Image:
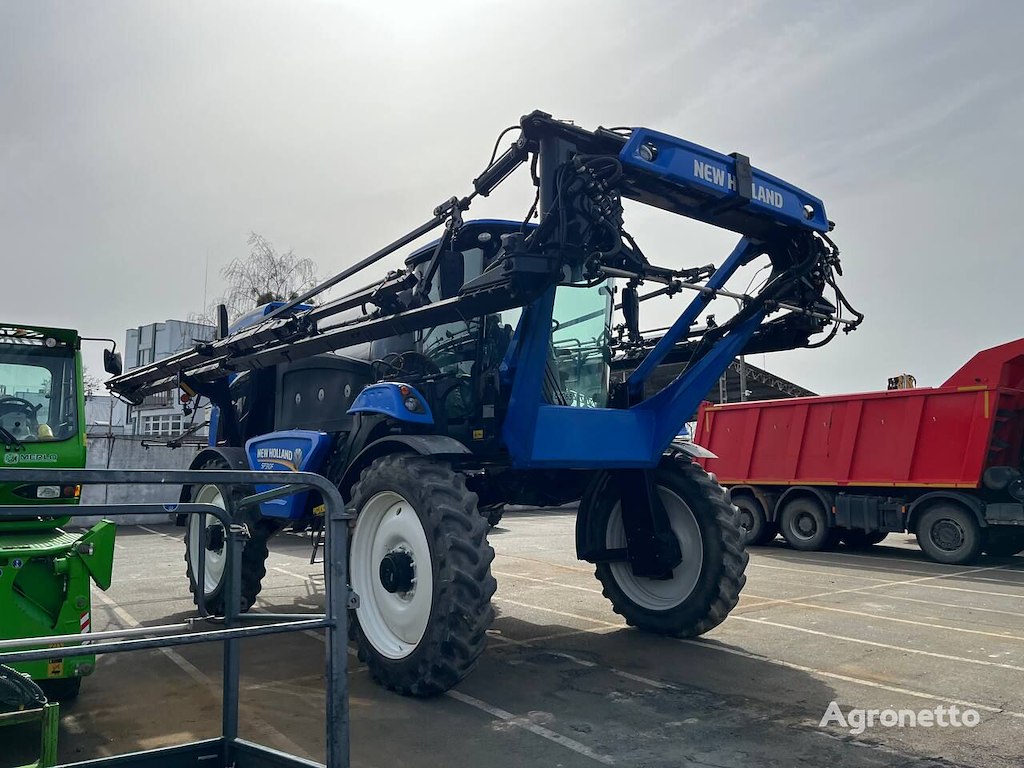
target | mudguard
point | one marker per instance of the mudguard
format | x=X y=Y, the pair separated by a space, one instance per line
x=424 y=445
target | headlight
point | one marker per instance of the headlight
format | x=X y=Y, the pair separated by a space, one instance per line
x=48 y=492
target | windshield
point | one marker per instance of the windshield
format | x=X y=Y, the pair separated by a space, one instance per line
x=38 y=396
x=580 y=339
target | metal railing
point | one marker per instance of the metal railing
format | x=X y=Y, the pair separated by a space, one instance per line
x=229 y=749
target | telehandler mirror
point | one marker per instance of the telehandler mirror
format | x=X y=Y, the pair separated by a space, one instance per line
x=112 y=362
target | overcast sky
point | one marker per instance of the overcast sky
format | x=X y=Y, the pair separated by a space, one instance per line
x=141 y=140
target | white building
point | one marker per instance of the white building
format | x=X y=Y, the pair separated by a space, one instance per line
x=161 y=415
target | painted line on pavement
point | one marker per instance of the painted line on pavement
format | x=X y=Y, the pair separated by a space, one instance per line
x=197 y=675
x=802 y=604
x=799 y=667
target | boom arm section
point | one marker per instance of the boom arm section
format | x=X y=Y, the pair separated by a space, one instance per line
x=581 y=178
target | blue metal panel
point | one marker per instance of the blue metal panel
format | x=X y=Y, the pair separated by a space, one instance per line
x=586 y=438
x=389 y=398
x=533 y=347
x=294 y=450
x=213 y=426
x=711 y=173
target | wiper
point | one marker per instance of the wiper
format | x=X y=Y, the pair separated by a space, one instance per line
x=9 y=438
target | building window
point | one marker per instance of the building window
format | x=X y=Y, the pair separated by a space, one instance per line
x=144 y=357
x=165 y=425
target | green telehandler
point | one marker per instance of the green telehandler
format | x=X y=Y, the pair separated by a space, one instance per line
x=46 y=571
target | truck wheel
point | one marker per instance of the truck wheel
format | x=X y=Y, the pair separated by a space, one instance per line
x=753 y=521
x=254 y=552
x=421 y=566
x=805 y=525
x=949 y=534
x=857 y=539
x=706 y=585
x=1004 y=540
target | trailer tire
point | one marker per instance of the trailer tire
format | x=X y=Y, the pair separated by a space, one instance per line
x=757 y=529
x=416 y=641
x=1004 y=540
x=694 y=600
x=949 y=534
x=804 y=525
x=858 y=539
x=254 y=550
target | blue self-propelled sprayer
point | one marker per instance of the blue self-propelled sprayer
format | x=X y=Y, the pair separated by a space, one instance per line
x=480 y=375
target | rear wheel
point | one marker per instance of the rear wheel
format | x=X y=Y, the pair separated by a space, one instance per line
x=857 y=539
x=705 y=586
x=1004 y=540
x=420 y=564
x=949 y=534
x=805 y=525
x=753 y=520
x=212 y=548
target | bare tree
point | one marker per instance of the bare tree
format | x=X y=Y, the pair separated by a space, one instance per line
x=90 y=383
x=264 y=275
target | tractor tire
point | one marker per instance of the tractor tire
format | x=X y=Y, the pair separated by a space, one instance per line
x=421 y=565
x=706 y=585
x=254 y=551
x=949 y=534
x=1004 y=540
x=63 y=690
x=858 y=539
x=757 y=529
x=804 y=525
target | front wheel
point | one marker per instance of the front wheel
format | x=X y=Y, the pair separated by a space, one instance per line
x=706 y=585
x=421 y=566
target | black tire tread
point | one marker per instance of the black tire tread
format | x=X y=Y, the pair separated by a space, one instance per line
x=732 y=576
x=463 y=582
x=254 y=552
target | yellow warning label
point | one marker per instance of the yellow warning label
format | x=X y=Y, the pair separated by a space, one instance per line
x=55 y=668
x=319 y=510
x=478 y=434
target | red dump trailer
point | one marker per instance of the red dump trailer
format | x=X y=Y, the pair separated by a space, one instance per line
x=944 y=463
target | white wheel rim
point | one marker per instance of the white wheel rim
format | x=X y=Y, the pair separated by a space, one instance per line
x=658 y=594
x=213 y=567
x=393 y=623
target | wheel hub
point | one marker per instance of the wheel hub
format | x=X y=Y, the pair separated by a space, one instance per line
x=746 y=520
x=397 y=571
x=947 y=535
x=806 y=525
x=215 y=538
